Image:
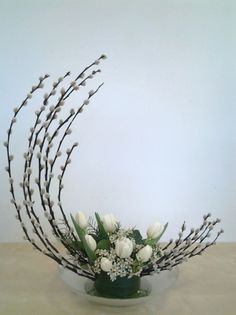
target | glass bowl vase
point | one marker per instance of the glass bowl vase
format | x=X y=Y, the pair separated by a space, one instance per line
x=151 y=287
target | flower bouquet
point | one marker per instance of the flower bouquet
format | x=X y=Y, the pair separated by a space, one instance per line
x=102 y=251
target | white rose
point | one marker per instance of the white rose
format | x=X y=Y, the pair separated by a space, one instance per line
x=109 y=222
x=81 y=220
x=144 y=254
x=124 y=247
x=91 y=242
x=106 y=264
x=154 y=230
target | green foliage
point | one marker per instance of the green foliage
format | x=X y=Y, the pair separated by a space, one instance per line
x=137 y=236
x=102 y=234
x=77 y=245
x=81 y=233
x=104 y=244
x=92 y=228
x=136 y=266
x=150 y=242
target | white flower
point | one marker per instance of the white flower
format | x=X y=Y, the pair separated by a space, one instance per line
x=106 y=264
x=124 y=247
x=109 y=222
x=81 y=220
x=144 y=254
x=154 y=230
x=91 y=242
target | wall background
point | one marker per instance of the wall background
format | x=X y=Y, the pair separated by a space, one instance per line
x=159 y=140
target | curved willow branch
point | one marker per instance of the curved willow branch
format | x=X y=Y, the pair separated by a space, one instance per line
x=183 y=248
x=41 y=138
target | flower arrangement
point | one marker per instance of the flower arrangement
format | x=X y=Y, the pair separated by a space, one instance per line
x=113 y=257
x=114 y=252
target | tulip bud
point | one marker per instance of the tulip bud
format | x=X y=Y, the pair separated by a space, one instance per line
x=109 y=222
x=154 y=230
x=106 y=264
x=144 y=254
x=124 y=247
x=81 y=220
x=91 y=242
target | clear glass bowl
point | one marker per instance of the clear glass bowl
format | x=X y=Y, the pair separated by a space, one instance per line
x=151 y=287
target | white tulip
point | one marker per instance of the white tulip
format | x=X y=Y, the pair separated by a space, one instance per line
x=109 y=222
x=124 y=247
x=154 y=230
x=144 y=254
x=106 y=264
x=91 y=242
x=81 y=219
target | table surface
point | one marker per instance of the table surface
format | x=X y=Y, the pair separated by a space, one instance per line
x=30 y=285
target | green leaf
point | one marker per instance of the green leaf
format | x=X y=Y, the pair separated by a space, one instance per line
x=81 y=233
x=136 y=266
x=78 y=229
x=104 y=244
x=150 y=242
x=137 y=236
x=77 y=245
x=102 y=234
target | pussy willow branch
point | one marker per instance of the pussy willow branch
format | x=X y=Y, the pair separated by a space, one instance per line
x=198 y=235
x=51 y=219
x=27 y=190
x=69 y=119
x=52 y=161
x=49 y=120
x=81 y=75
x=49 y=201
x=188 y=243
x=10 y=158
x=185 y=248
x=7 y=144
x=53 y=112
x=27 y=174
x=69 y=152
